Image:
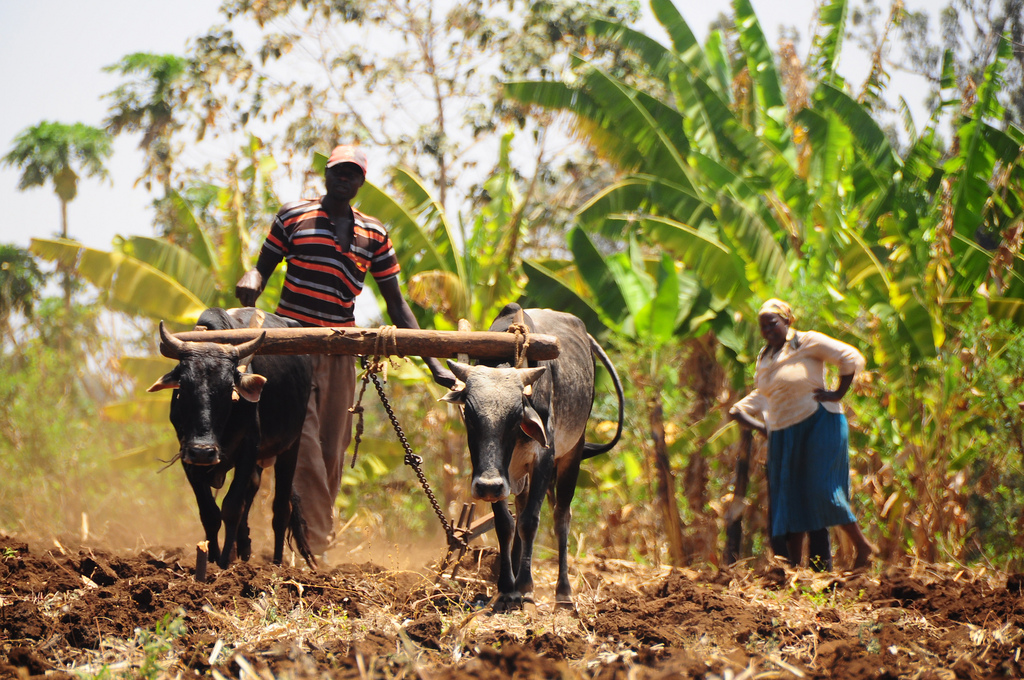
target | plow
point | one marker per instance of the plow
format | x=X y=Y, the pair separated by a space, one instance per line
x=375 y=346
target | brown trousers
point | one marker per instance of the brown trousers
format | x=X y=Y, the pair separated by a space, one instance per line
x=325 y=436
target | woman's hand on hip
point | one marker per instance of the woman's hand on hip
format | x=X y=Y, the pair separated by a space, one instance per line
x=827 y=395
x=821 y=394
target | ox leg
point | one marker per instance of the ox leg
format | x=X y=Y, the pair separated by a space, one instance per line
x=209 y=513
x=504 y=527
x=233 y=509
x=284 y=476
x=528 y=520
x=566 y=475
x=244 y=540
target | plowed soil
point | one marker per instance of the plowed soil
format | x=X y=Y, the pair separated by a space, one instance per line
x=142 y=614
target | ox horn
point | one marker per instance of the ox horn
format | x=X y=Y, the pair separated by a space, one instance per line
x=250 y=347
x=170 y=346
x=460 y=370
x=255 y=322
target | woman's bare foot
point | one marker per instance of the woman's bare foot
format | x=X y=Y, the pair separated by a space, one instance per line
x=865 y=548
x=864 y=556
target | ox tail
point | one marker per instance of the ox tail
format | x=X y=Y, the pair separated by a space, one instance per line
x=299 y=536
x=591 y=450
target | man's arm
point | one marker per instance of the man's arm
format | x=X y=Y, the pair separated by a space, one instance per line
x=401 y=315
x=249 y=287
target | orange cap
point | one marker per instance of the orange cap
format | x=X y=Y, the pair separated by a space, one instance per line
x=346 y=153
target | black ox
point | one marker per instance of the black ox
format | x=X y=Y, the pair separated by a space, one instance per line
x=226 y=418
x=526 y=430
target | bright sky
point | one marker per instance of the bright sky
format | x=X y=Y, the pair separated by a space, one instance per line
x=52 y=53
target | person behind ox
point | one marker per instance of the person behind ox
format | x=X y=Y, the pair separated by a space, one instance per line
x=808 y=436
x=329 y=247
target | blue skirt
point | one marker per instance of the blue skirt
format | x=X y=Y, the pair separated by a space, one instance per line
x=809 y=474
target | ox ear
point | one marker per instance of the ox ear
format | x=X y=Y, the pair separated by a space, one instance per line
x=168 y=382
x=457 y=395
x=532 y=424
x=250 y=386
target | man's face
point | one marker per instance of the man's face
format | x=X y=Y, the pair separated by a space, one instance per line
x=773 y=328
x=343 y=181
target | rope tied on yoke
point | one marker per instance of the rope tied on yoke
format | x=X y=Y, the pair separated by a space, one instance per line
x=377 y=362
x=522 y=332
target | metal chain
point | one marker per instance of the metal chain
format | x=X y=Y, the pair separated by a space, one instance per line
x=414 y=461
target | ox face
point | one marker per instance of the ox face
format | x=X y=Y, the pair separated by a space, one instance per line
x=499 y=416
x=208 y=385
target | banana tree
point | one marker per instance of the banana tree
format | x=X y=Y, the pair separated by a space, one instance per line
x=175 y=280
x=760 y=192
x=446 y=279
x=650 y=305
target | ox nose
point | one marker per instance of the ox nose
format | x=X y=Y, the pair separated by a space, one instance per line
x=201 y=454
x=490 y=488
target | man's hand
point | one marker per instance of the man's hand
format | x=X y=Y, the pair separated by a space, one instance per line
x=249 y=287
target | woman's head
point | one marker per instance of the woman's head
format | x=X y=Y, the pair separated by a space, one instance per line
x=774 y=319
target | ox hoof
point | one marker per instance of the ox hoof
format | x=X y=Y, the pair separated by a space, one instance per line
x=512 y=602
x=565 y=605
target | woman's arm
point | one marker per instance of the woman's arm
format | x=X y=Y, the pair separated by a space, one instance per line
x=838 y=393
x=746 y=420
x=749 y=412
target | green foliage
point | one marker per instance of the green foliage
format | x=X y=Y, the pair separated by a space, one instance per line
x=156 y=644
x=806 y=198
x=55 y=445
x=968 y=38
x=21 y=283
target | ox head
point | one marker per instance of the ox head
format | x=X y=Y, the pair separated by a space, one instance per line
x=208 y=380
x=496 y=403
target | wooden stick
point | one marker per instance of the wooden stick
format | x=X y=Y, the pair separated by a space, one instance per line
x=202 y=556
x=363 y=342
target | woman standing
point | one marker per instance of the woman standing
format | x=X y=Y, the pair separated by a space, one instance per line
x=808 y=437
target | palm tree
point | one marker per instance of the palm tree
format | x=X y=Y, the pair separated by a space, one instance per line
x=156 y=90
x=50 y=152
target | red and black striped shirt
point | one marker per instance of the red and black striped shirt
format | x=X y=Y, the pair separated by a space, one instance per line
x=323 y=280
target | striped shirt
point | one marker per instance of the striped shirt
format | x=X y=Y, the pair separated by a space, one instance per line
x=323 y=279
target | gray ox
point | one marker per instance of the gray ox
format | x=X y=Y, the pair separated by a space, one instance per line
x=526 y=430
x=226 y=418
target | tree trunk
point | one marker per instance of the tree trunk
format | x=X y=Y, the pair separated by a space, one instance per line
x=705 y=375
x=666 y=484
x=734 y=513
x=65 y=277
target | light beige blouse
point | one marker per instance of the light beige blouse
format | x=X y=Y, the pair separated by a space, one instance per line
x=785 y=382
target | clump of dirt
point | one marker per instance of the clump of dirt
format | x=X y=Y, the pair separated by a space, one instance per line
x=65 y=612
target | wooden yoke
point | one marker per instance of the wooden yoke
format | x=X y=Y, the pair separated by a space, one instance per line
x=363 y=342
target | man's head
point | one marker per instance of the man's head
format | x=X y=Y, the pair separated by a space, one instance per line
x=346 y=153
x=345 y=172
